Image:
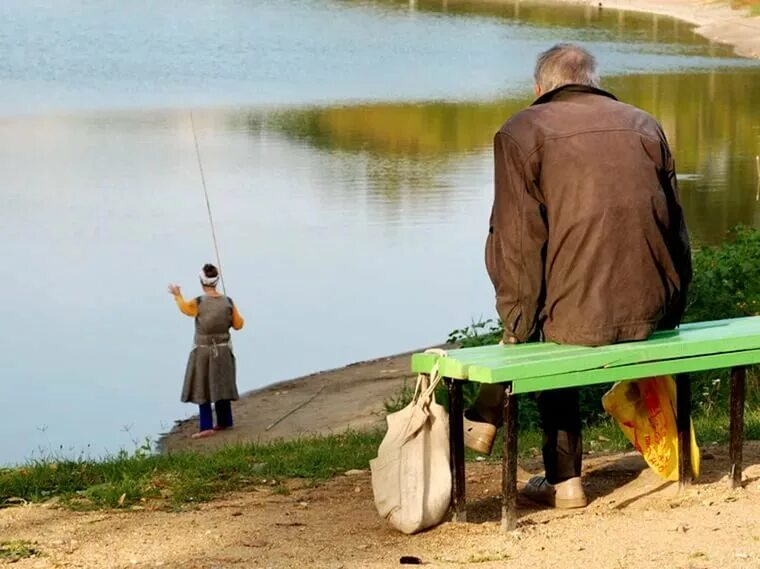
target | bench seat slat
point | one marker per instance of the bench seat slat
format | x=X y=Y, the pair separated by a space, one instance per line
x=637 y=371
x=492 y=364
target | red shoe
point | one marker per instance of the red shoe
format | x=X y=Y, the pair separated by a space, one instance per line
x=221 y=428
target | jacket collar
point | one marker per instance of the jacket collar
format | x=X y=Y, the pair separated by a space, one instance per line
x=568 y=91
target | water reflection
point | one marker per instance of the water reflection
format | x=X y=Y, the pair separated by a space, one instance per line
x=402 y=149
x=588 y=22
x=712 y=121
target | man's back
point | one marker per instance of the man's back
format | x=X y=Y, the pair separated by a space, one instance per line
x=588 y=242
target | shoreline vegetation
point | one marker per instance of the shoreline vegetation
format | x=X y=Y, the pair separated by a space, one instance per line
x=726 y=284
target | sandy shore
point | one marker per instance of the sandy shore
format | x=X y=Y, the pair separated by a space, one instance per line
x=716 y=21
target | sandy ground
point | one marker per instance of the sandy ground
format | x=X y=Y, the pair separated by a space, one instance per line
x=714 y=20
x=634 y=521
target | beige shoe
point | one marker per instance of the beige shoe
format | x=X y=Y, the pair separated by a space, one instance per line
x=479 y=436
x=563 y=495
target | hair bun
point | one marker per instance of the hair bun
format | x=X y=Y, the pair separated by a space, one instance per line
x=210 y=271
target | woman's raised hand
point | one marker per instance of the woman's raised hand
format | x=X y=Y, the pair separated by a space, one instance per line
x=174 y=290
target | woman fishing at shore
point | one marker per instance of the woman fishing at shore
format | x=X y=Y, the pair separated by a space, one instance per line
x=210 y=373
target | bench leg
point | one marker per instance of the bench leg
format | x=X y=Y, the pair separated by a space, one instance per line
x=509 y=463
x=737 y=426
x=456 y=446
x=683 y=422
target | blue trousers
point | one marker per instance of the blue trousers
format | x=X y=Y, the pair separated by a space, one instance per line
x=223 y=415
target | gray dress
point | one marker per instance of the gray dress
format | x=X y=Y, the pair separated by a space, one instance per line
x=210 y=374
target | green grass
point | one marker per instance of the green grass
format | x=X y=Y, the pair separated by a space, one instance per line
x=401 y=399
x=180 y=479
x=175 y=479
x=12 y=551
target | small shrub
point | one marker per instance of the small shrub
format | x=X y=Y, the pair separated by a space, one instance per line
x=401 y=400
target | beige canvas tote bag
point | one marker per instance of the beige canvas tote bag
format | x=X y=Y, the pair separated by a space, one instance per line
x=411 y=476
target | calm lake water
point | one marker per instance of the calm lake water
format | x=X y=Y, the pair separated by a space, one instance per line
x=346 y=146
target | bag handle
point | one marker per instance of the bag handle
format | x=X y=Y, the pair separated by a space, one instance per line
x=435 y=378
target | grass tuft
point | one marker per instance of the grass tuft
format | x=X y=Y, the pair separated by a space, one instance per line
x=173 y=480
x=16 y=550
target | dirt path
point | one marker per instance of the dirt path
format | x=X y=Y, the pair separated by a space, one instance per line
x=352 y=397
x=633 y=522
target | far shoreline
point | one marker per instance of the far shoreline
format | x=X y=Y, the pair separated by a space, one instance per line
x=715 y=21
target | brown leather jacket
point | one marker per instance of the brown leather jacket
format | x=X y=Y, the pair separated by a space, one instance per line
x=588 y=243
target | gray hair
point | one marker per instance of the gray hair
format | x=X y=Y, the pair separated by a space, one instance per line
x=565 y=64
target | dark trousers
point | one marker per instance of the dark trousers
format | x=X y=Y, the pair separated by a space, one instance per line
x=560 y=421
x=223 y=415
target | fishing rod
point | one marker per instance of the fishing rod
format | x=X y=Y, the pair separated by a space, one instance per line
x=208 y=205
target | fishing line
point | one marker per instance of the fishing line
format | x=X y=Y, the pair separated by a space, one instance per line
x=208 y=205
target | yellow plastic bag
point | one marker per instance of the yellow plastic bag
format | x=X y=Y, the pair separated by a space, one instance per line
x=645 y=412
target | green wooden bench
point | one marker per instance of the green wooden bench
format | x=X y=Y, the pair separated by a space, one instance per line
x=528 y=368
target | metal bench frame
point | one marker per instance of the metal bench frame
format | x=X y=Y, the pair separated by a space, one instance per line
x=509 y=460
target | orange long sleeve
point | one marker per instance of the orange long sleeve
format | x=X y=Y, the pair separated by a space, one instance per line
x=187 y=307
x=237 y=319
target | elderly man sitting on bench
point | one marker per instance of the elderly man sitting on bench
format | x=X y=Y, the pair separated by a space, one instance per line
x=587 y=244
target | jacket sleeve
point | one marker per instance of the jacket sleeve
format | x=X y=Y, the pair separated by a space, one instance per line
x=678 y=245
x=516 y=245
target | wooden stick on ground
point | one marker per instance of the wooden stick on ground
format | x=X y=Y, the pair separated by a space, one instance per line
x=289 y=413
